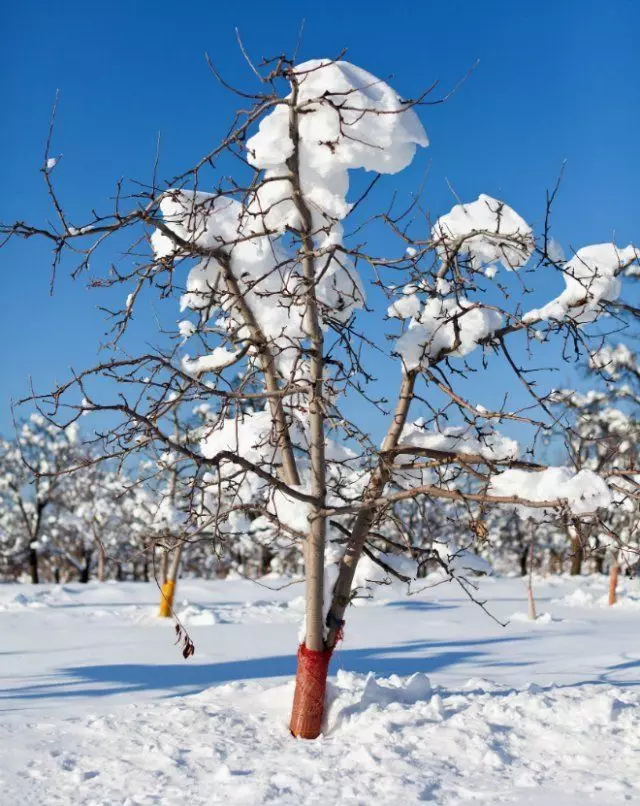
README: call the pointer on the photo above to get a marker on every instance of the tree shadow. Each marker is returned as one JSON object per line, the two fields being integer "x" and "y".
{"x": 420, "y": 604}
{"x": 191, "y": 678}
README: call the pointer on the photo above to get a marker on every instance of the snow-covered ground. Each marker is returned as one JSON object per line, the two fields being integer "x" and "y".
{"x": 430, "y": 699}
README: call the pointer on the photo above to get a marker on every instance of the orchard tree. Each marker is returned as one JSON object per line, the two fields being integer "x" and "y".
{"x": 273, "y": 267}
{"x": 34, "y": 486}
{"x": 603, "y": 435}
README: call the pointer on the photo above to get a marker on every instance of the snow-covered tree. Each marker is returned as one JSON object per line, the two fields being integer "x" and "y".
{"x": 604, "y": 436}
{"x": 34, "y": 484}
{"x": 273, "y": 269}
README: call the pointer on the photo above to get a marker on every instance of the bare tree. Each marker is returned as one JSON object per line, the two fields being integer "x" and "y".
{"x": 286, "y": 343}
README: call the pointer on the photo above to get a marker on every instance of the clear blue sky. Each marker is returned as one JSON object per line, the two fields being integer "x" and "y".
{"x": 556, "y": 80}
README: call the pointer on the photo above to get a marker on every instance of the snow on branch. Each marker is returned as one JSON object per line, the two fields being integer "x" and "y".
{"x": 488, "y": 231}
{"x": 584, "y": 492}
{"x": 592, "y": 279}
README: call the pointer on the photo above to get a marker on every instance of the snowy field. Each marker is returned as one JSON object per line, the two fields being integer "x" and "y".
{"x": 431, "y": 701}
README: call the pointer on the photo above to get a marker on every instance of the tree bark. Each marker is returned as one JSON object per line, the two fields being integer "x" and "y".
{"x": 577, "y": 552}
{"x": 576, "y": 561}
{"x": 85, "y": 572}
{"x": 531, "y": 601}
{"x": 313, "y": 656}
{"x": 35, "y": 534}
{"x": 523, "y": 562}
{"x": 33, "y": 564}
{"x": 101, "y": 561}
{"x": 613, "y": 583}
{"x": 266, "y": 556}
{"x": 164, "y": 566}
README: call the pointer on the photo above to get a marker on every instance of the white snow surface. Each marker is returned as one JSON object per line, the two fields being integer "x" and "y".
{"x": 430, "y": 700}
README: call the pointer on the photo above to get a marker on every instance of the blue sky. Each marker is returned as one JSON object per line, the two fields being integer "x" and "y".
{"x": 555, "y": 81}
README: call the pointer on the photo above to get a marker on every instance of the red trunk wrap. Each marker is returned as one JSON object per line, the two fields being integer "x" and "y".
{"x": 311, "y": 686}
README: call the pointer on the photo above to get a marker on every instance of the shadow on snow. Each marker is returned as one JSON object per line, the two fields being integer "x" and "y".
{"x": 190, "y": 678}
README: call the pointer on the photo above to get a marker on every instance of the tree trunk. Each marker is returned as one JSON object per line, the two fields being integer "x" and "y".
{"x": 85, "y": 572}
{"x": 164, "y": 566}
{"x": 33, "y": 563}
{"x": 577, "y": 551}
{"x": 576, "y": 560}
{"x": 101, "y": 562}
{"x": 311, "y": 687}
{"x": 313, "y": 663}
{"x": 531, "y": 601}
{"x": 613, "y": 583}
{"x": 523, "y": 562}
{"x": 266, "y": 556}
{"x": 313, "y": 655}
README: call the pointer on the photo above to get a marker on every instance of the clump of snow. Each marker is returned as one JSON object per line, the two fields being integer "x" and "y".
{"x": 214, "y": 362}
{"x": 193, "y": 615}
{"x": 351, "y": 119}
{"x": 248, "y": 436}
{"x": 207, "y": 220}
{"x": 555, "y": 251}
{"x": 591, "y": 278}
{"x": 612, "y": 359}
{"x": 483, "y": 441}
{"x": 347, "y": 119}
{"x": 577, "y": 598}
{"x": 350, "y": 696}
{"x": 405, "y": 308}
{"x": 445, "y": 326}
{"x": 543, "y": 618}
{"x": 487, "y": 230}
{"x": 584, "y": 492}
{"x": 186, "y": 329}
{"x": 339, "y": 288}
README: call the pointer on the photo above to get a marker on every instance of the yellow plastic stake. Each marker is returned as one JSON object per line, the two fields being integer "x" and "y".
{"x": 166, "y": 598}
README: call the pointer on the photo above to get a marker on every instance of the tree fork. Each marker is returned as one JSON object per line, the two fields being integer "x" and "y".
{"x": 365, "y": 518}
